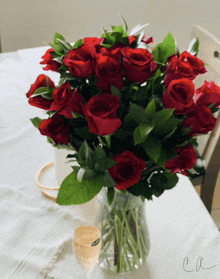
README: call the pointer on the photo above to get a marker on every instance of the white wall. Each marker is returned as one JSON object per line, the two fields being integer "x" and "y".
{"x": 31, "y": 23}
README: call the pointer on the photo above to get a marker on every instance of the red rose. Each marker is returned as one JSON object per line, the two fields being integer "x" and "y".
{"x": 113, "y": 52}
{"x": 197, "y": 65}
{"x": 179, "y": 95}
{"x": 147, "y": 41}
{"x": 95, "y": 42}
{"x": 66, "y": 101}
{"x": 186, "y": 160}
{"x": 40, "y": 101}
{"x": 108, "y": 70}
{"x": 101, "y": 114}
{"x": 81, "y": 61}
{"x": 165, "y": 67}
{"x": 54, "y": 128}
{"x": 208, "y": 94}
{"x": 177, "y": 70}
{"x": 48, "y": 60}
{"x": 139, "y": 64}
{"x": 131, "y": 39}
{"x": 200, "y": 120}
{"x": 127, "y": 171}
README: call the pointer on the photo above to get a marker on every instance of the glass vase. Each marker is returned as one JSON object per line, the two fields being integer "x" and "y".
{"x": 125, "y": 238}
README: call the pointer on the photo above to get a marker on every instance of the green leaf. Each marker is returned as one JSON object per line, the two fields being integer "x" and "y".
{"x": 141, "y": 132}
{"x": 106, "y": 179}
{"x": 57, "y": 48}
{"x": 213, "y": 108}
{"x": 36, "y": 121}
{"x": 51, "y": 113}
{"x": 141, "y": 189}
{"x": 115, "y": 91}
{"x": 67, "y": 76}
{"x": 169, "y": 126}
{"x": 172, "y": 180}
{"x": 157, "y": 181}
{"x": 119, "y": 29}
{"x": 110, "y": 195}
{"x": 126, "y": 26}
{"x": 85, "y": 173}
{"x": 136, "y": 114}
{"x": 76, "y": 168}
{"x": 74, "y": 192}
{"x": 40, "y": 91}
{"x": 139, "y": 94}
{"x": 104, "y": 163}
{"x": 78, "y": 44}
{"x": 108, "y": 37}
{"x": 58, "y": 36}
{"x": 150, "y": 110}
{"x": 161, "y": 117}
{"x": 61, "y": 81}
{"x": 164, "y": 50}
{"x": 85, "y": 154}
{"x": 152, "y": 147}
{"x": 106, "y": 45}
{"x": 65, "y": 46}
{"x": 76, "y": 115}
{"x": 194, "y": 46}
{"x": 166, "y": 155}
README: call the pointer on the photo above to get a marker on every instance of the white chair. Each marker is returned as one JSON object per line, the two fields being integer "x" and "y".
{"x": 209, "y": 145}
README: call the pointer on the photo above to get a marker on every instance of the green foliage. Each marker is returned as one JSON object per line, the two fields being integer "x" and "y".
{"x": 164, "y": 50}
{"x": 110, "y": 195}
{"x": 60, "y": 46}
{"x": 42, "y": 91}
{"x": 94, "y": 163}
{"x": 59, "y": 146}
{"x": 141, "y": 189}
{"x": 116, "y": 36}
{"x": 125, "y": 23}
{"x": 73, "y": 191}
{"x": 142, "y": 132}
{"x": 152, "y": 146}
{"x": 36, "y": 121}
{"x": 149, "y": 130}
{"x": 78, "y": 44}
{"x": 115, "y": 91}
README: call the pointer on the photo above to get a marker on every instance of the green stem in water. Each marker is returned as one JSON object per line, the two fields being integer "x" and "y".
{"x": 130, "y": 237}
{"x": 135, "y": 216}
{"x": 118, "y": 240}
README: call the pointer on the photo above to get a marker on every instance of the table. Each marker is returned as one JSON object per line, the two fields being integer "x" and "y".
{"x": 35, "y": 233}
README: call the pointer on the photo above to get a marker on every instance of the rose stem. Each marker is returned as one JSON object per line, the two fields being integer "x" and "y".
{"x": 115, "y": 248}
{"x": 118, "y": 236}
{"x": 133, "y": 243}
{"x": 138, "y": 232}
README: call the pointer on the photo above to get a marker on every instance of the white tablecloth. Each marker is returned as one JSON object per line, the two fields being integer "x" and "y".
{"x": 35, "y": 233}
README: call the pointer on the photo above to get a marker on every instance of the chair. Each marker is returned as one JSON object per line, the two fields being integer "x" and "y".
{"x": 209, "y": 145}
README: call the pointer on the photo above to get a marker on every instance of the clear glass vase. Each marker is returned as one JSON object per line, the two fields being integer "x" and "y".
{"x": 125, "y": 238}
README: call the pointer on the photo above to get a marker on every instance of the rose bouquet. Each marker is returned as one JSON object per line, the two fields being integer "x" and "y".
{"x": 131, "y": 114}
